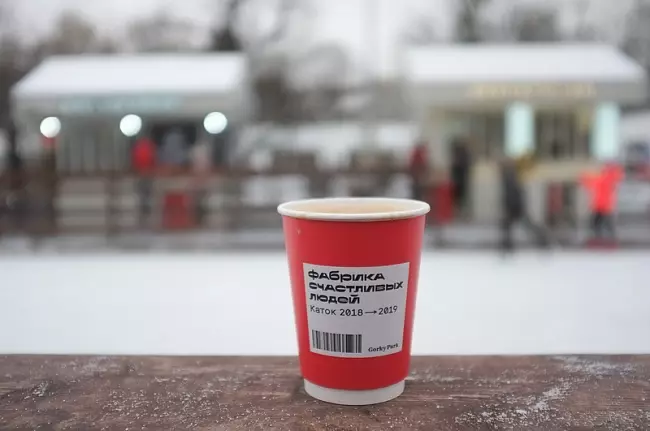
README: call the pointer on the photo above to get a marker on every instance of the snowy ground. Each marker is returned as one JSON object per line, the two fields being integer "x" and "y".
{"x": 458, "y": 236}
{"x": 199, "y": 303}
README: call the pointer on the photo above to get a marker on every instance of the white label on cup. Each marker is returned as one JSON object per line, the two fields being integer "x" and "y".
{"x": 356, "y": 312}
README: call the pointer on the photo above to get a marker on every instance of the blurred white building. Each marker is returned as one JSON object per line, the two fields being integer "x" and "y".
{"x": 561, "y": 102}
{"x": 100, "y": 102}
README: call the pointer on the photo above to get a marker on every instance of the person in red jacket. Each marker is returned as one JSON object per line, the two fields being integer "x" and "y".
{"x": 419, "y": 169}
{"x": 601, "y": 187}
{"x": 144, "y": 161}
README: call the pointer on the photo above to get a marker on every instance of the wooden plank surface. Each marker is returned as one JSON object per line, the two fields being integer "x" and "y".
{"x": 252, "y": 393}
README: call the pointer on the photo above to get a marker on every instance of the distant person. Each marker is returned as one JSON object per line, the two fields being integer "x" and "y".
{"x": 201, "y": 159}
{"x": 174, "y": 149}
{"x": 514, "y": 208}
{"x": 16, "y": 170}
{"x": 16, "y": 199}
{"x": 557, "y": 150}
{"x": 14, "y": 160}
{"x": 144, "y": 163}
{"x": 49, "y": 182}
{"x": 601, "y": 187}
{"x": 419, "y": 171}
{"x": 13, "y": 200}
{"x": 460, "y": 174}
{"x": 220, "y": 151}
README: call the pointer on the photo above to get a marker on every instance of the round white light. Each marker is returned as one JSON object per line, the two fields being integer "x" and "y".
{"x": 50, "y": 127}
{"x": 130, "y": 125}
{"x": 215, "y": 123}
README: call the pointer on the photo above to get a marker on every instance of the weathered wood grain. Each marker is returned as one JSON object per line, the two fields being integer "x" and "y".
{"x": 250, "y": 393}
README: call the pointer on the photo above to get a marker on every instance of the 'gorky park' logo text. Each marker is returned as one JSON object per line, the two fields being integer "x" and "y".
{"x": 352, "y": 288}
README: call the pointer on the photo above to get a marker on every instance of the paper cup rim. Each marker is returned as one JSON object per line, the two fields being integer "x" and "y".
{"x": 412, "y": 208}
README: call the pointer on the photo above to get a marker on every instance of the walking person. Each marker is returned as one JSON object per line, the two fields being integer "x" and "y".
{"x": 44, "y": 211}
{"x": 460, "y": 174}
{"x": 201, "y": 159}
{"x": 173, "y": 153}
{"x": 144, "y": 162}
{"x": 13, "y": 200}
{"x": 514, "y": 208}
{"x": 16, "y": 200}
{"x": 602, "y": 187}
{"x": 419, "y": 171}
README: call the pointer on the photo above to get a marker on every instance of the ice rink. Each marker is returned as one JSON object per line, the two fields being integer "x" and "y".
{"x": 217, "y": 304}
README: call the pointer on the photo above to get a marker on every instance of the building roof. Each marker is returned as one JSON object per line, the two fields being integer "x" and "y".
{"x": 119, "y": 75}
{"x": 520, "y": 63}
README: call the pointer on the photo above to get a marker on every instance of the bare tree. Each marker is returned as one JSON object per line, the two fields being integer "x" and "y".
{"x": 324, "y": 64}
{"x": 224, "y": 38}
{"x": 160, "y": 32}
{"x": 319, "y": 75}
{"x": 636, "y": 40}
{"x": 239, "y": 26}
{"x": 420, "y": 32}
{"x": 72, "y": 35}
{"x": 12, "y": 68}
{"x": 583, "y": 29}
{"x": 4, "y": 19}
{"x": 468, "y": 21}
{"x": 290, "y": 86}
{"x": 534, "y": 24}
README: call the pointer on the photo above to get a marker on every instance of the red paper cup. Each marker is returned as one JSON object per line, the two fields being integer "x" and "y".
{"x": 354, "y": 265}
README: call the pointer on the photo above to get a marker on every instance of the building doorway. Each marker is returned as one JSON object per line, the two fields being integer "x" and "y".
{"x": 561, "y": 134}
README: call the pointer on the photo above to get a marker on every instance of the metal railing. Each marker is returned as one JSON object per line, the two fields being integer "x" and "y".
{"x": 118, "y": 204}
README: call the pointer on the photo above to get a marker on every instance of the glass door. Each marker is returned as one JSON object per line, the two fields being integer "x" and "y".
{"x": 561, "y": 135}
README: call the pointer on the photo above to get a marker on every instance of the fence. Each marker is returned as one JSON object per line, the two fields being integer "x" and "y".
{"x": 111, "y": 203}
{"x": 238, "y": 200}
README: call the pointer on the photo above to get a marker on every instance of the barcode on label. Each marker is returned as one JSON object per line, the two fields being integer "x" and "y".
{"x": 339, "y": 343}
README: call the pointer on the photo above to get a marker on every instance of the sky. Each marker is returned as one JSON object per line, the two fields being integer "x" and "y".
{"x": 38, "y": 16}
{"x": 346, "y": 23}
{"x": 337, "y": 17}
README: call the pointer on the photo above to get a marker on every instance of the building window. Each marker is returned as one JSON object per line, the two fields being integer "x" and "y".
{"x": 559, "y": 135}
{"x": 485, "y": 132}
